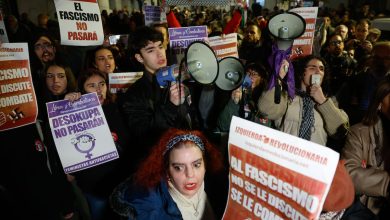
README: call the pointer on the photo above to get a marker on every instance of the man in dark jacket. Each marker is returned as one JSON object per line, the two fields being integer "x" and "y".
{"x": 149, "y": 109}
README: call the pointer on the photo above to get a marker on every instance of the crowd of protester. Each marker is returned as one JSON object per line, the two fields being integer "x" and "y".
{"x": 167, "y": 138}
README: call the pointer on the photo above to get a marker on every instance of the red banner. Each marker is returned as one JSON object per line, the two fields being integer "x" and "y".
{"x": 18, "y": 104}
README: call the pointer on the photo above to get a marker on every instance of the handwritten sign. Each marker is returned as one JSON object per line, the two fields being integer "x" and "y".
{"x": 274, "y": 175}
{"x": 18, "y": 103}
{"x": 80, "y": 22}
{"x": 81, "y": 133}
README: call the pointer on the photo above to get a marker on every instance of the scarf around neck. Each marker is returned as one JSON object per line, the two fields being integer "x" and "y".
{"x": 190, "y": 208}
{"x": 307, "y": 121}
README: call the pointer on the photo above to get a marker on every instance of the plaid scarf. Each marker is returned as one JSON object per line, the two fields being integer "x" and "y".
{"x": 307, "y": 121}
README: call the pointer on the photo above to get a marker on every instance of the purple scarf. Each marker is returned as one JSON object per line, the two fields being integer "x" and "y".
{"x": 275, "y": 61}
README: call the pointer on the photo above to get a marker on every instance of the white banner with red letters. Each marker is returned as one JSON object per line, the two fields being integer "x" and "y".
{"x": 274, "y": 175}
{"x": 18, "y": 102}
{"x": 80, "y": 22}
{"x": 225, "y": 46}
{"x": 120, "y": 82}
{"x": 303, "y": 45}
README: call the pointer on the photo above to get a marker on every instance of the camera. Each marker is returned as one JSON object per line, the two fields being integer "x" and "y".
{"x": 316, "y": 79}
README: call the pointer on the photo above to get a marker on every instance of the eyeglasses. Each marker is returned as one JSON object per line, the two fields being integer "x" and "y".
{"x": 336, "y": 42}
{"x": 252, "y": 73}
{"x": 43, "y": 46}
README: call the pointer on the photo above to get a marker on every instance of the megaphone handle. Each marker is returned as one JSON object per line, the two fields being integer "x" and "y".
{"x": 278, "y": 93}
{"x": 241, "y": 109}
{"x": 166, "y": 92}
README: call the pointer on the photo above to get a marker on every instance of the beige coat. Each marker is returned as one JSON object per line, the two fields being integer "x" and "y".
{"x": 328, "y": 117}
{"x": 369, "y": 178}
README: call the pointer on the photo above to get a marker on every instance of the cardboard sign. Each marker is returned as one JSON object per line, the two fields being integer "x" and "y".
{"x": 80, "y": 132}
{"x": 3, "y": 31}
{"x": 181, "y": 38}
{"x": 224, "y": 46}
{"x": 303, "y": 45}
{"x": 274, "y": 175}
{"x": 120, "y": 82}
{"x": 18, "y": 103}
{"x": 80, "y": 22}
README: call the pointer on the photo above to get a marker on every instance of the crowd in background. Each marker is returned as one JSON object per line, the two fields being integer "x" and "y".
{"x": 348, "y": 110}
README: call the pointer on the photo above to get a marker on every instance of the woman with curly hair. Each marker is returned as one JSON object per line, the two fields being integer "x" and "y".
{"x": 169, "y": 184}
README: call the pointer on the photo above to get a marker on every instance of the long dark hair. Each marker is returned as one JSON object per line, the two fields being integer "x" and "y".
{"x": 263, "y": 74}
{"x": 299, "y": 69}
{"x": 91, "y": 54}
{"x": 372, "y": 115}
{"x": 86, "y": 74}
{"x": 71, "y": 81}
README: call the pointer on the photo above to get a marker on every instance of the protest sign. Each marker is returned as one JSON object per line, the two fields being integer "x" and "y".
{"x": 80, "y": 22}
{"x": 224, "y": 46}
{"x": 120, "y": 82}
{"x": 181, "y": 38}
{"x": 3, "y": 31}
{"x": 304, "y": 44}
{"x": 198, "y": 2}
{"x": 154, "y": 14}
{"x": 80, "y": 132}
{"x": 18, "y": 103}
{"x": 274, "y": 175}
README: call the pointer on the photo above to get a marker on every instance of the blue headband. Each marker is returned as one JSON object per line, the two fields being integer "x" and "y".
{"x": 184, "y": 137}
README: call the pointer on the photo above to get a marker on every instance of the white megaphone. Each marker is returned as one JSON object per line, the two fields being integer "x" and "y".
{"x": 285, "y": 27}
{"x": 200, "y": 65}
{"x": 231, "y": 74}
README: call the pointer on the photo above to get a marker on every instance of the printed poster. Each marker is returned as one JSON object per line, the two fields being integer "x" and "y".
{"x": 181, "y": 38}
{"x": 274, "y": 175}
{"x": 18, "y": 103}
{"x": 304, "y": 44}
{"x": 80, "y": 22}
{"x": 154, "y": 14}
{"x": 225, "y": 46}
{"x": 120, "y": 82}
{"x": 81, "y": 133}
{"x": 3, "y": 31}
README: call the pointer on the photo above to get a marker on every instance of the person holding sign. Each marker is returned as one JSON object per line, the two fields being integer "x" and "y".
{"x": 98, "y": 182}
{"x": 170, "y": 184}
{"x": 34, "y": 183}
{"x": 310, "y": 115}
{"x": 59, "y": 80}
{"x": 149, "y": 109}
{"x": 367, "y": 153}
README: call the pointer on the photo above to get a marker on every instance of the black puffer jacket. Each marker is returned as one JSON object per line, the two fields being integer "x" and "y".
{"x": 148, "y": 112}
